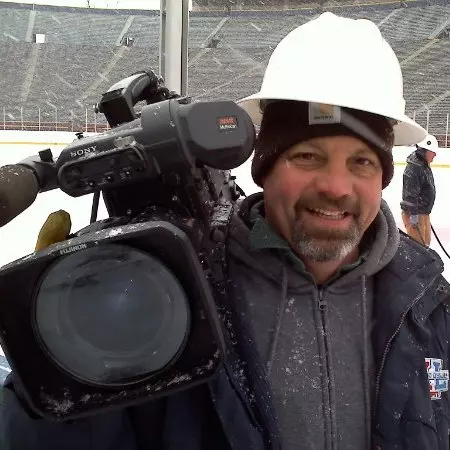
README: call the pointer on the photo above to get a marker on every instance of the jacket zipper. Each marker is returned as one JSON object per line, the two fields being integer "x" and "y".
{"x": 389, "y": 343}
{"x": 322, "y": 304}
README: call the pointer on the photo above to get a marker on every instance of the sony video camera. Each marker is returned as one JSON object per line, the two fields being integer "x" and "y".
{"x": 125, "y": 309}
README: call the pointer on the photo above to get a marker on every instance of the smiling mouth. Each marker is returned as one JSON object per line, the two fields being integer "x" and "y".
{"x": 331, "y": 215}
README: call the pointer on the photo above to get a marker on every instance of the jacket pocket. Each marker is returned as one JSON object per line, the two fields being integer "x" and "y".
{"x": 427, "y": 431}
{"x": 420, "y": 435}
{"x": 418, "y": 423}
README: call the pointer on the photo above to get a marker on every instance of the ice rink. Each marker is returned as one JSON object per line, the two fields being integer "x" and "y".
{"x": 18, "y": 238}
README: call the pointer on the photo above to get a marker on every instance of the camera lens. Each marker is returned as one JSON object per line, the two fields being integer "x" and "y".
{"x": 111, "y": 315}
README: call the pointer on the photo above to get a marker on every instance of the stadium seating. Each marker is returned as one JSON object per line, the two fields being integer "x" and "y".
{"x": 84, "y": 53}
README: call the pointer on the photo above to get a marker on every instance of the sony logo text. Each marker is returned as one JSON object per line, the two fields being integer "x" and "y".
{"x": 83, "y": 151}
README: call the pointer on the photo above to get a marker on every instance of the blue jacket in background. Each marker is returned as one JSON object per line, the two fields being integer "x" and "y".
{"x": 419, "y": 191}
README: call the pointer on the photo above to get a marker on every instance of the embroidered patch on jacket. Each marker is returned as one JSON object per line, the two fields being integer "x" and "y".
{"x": 437, "y": 377}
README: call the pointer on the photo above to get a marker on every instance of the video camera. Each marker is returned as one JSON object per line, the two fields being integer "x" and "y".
{"x": 124, "y": 310}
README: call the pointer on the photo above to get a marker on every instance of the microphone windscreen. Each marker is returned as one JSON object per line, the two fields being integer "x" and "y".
{"x": 18, "y": 190}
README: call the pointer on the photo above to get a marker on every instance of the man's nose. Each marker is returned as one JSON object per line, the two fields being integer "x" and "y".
{"x": 335, "y": 180}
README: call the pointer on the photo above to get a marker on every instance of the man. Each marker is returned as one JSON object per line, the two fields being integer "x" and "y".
{"x": 419, "y": 191}
{"x": 337, "y": 326}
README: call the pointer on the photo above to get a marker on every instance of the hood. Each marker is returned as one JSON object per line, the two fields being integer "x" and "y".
{"x": 417, "y": 157}
{"x": 383, "y": 240}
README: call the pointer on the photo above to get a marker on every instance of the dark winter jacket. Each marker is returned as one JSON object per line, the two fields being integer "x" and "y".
{"x": 419, "y": 191}
{"x": 236, "y": 411}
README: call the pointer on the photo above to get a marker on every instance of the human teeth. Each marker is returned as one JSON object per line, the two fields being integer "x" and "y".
{"x": 336, "y": 214}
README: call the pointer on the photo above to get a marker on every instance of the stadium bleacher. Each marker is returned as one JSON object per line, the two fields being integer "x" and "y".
{"x": 83, "y": 53}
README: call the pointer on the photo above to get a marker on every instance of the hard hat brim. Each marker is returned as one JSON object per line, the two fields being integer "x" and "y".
{"x": 406, "y": 131}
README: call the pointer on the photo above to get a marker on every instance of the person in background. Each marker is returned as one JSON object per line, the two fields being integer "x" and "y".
{"x": 419, "y": 191}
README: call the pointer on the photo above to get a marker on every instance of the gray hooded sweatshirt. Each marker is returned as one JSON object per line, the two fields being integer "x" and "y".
{"x": 315, "y": 341}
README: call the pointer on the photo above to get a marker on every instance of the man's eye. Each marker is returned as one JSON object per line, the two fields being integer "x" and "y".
{"x": 361, "y": 161}
{"x": 304, "y": 156}
{"x": 365, "y": 166}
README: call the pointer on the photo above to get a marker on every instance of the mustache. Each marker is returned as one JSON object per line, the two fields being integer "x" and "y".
{"x": 321, "y": 201}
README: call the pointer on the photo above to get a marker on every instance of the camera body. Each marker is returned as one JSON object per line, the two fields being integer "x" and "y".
{"x": 126, "y": 309}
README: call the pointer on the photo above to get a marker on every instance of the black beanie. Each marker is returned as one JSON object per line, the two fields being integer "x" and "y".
{"x": 286, "y": 123}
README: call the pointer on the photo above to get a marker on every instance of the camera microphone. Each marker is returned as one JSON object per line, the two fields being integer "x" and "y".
{"x": 21, "y": 183}
{"x": 18, "y": 190}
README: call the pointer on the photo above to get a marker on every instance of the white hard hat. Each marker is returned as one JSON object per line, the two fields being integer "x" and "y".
{"x": 429, "y": 143}
{"x": 337, "y": 61}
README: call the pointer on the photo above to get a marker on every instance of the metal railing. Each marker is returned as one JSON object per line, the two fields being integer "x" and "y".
{"x": 436, "y": 122}
{"x": 56, "y": 120}
{"x": 54, "y": 126}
